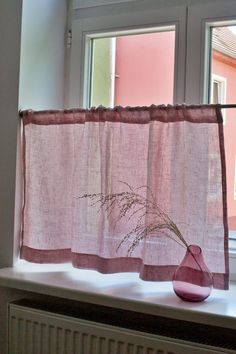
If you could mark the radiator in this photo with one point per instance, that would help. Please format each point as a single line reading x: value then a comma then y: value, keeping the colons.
x: 34, y: 331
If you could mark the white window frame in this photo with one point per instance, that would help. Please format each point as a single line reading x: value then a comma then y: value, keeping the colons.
x: 120, y: 19
x: 201, y: 18
x: 87, y: 73
x: 192, y: 20
x: 78, y: 4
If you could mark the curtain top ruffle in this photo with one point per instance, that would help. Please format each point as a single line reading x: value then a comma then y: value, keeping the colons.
x: 137, y: 115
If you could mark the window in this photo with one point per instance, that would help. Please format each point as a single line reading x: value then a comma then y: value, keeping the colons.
x: 223, y: 74
x: 116, y: 29
x: 132, y: 70
x: 195, y: 76
x: 209, y: 33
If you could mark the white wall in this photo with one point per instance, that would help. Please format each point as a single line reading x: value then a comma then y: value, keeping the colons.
x: 42, y: 54
x: 38, y: 59
x: 10, y: 29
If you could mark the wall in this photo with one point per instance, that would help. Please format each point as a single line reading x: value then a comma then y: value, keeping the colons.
x: 42, y: 54
x: 39, y: 58
x: 10, y: 29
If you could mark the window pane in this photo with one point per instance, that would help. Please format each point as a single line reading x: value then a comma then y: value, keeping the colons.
x: 223, y: 83
x: 133, y: 70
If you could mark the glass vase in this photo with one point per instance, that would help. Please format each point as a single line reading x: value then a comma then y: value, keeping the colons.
x: 192, y: 280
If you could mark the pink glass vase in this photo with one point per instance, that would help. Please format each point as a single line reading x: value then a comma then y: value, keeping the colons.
x: 192, y: 280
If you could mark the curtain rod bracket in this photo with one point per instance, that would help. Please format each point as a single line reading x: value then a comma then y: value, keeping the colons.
x: 22, y: 112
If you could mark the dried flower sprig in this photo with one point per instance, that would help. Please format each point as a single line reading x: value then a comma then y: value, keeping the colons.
x: 131, y: 203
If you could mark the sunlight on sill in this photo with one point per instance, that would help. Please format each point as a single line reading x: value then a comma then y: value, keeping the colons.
x: 27, y: 267
x: 99, y: 280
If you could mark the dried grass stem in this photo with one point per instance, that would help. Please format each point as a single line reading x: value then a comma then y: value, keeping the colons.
x: 131, y: 204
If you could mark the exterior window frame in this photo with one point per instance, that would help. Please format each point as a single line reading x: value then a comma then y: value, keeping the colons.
x: 201, y: 19
x: 221, y: 83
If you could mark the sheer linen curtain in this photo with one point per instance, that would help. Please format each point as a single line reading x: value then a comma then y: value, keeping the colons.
x: 177, y: 151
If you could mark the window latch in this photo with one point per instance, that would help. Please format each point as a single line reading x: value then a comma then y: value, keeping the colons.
x: 69, y: 39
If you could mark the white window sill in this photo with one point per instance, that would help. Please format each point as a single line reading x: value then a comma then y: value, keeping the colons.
x: 124, y: 291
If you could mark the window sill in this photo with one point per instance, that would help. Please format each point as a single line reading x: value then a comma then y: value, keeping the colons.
x: 123, y: 291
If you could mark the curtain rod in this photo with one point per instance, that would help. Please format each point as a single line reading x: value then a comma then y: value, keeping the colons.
x: 222, y: 106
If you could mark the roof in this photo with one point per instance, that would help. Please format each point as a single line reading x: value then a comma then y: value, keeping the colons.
x: 224, y: 41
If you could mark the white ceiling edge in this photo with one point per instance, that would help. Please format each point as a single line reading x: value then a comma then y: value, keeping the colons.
x: 81, y: 4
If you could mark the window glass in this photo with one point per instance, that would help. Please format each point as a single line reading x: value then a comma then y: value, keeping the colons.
x: 133, y: 70
x: 223, y: 83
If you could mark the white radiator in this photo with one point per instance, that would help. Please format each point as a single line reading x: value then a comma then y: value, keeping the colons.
x: 33, y: 331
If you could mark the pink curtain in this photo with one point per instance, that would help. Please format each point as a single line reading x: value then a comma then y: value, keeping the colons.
x: 177, y: 151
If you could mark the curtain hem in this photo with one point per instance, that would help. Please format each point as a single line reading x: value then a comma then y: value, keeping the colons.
x: 45, y: 256
x: 111, y: 265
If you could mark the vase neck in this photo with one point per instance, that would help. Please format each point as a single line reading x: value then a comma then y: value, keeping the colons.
x: 194, y: 249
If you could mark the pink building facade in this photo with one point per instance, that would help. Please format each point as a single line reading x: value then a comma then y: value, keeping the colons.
x: 146, y: 59
x: 145, y: 75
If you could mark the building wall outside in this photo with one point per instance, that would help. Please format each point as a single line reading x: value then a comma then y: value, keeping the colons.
x: 229, y: 72
x: 145, y: 69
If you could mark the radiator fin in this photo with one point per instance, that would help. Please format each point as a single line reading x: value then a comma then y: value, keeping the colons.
x: 32, y: 331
